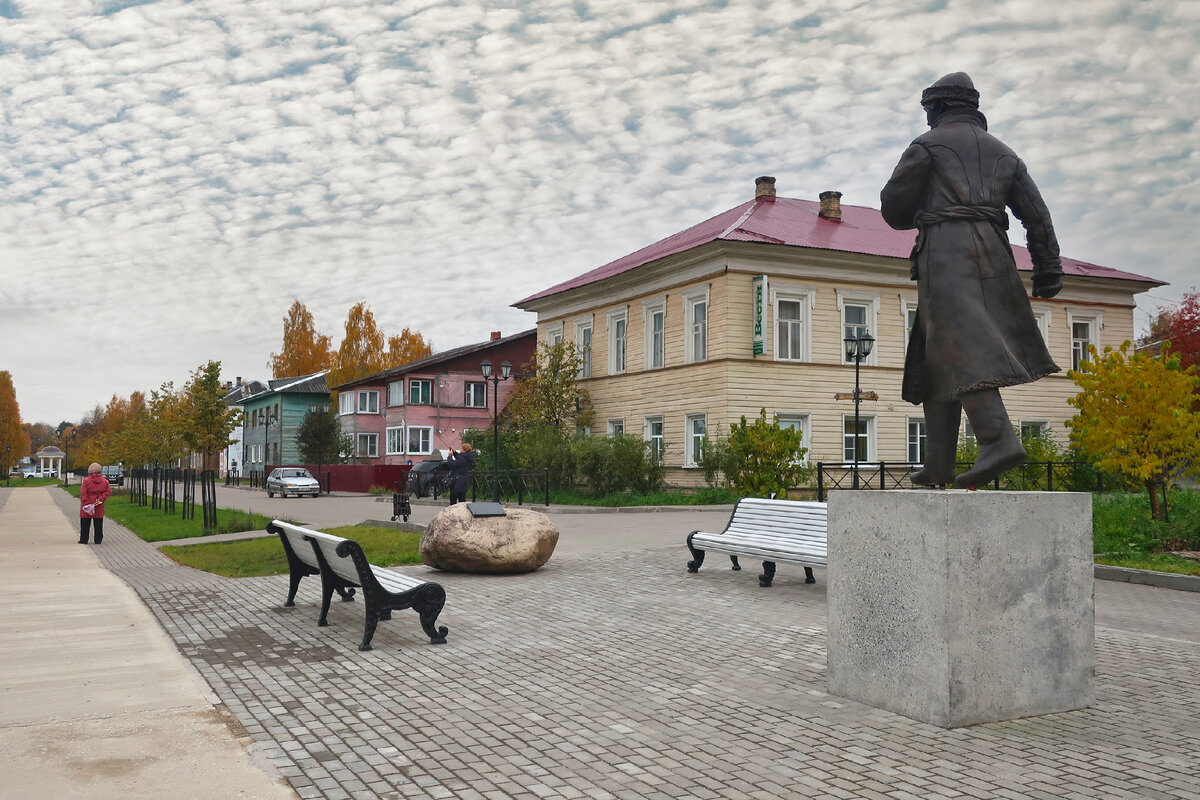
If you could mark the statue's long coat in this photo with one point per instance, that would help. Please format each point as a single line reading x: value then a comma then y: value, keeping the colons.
x: 975, y: 328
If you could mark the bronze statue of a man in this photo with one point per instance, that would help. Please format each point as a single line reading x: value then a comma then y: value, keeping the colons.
x: 975, y: 331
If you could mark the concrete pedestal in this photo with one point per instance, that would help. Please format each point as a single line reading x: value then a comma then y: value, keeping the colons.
x: 956, y: 607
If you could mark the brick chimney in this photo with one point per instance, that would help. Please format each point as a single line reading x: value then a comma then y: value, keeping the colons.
x: 495, y: 335
x: 831, y: 205
x: 764, y: 187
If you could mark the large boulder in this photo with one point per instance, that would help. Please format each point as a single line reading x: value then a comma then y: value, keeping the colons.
x: 457, y: 542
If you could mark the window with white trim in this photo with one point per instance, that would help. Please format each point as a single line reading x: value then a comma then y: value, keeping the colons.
x: 908, y: 307
x: 420, y: 391
x: 1042, y: 318
x: 395, y: 441
x: 798, y: 422
x: 346, y: 403
x: 1034, y: 429
x: 968, y: 432
x: 368, y: 445
x: 653, y: 434
x: 368, y: 401
x: 696, y: 426
x: 554, y: 334
x: 695, y: 320
x: 618, y: 324
x: 583, y: 345
x: 616, y: 427
x: 476, y: 394
x: 860, y: 312
x: 864, y: 440
x: 419, y: 440
x: 916, y: 440
x: 654, y: 318
x: 793, y: 327
x: 1083, y: 336
x: 395, y: 393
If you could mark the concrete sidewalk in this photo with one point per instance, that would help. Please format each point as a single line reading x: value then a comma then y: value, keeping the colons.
x: 95, y: 700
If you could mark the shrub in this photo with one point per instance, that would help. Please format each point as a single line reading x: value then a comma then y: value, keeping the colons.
x: 758, y: 459
x: 619, y: 463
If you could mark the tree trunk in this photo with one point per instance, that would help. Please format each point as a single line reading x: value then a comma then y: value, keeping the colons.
x: 1152, y: 489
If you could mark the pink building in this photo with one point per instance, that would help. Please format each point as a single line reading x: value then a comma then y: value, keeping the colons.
x: 419, y: 409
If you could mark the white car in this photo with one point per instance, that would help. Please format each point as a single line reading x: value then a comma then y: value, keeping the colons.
x: 292, y: 480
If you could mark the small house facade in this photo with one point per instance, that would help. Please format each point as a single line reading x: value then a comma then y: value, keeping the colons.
x: 419, y: 410
x: 271, y: 419
x: 748, y: 311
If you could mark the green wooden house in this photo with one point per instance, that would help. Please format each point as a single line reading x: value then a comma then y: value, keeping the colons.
x: 272, y: 418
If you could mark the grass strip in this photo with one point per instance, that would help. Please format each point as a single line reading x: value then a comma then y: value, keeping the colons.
x: 156, y: 525
x: 248, y: 558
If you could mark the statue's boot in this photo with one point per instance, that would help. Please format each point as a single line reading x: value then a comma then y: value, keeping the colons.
x: 999, y: 446
x: 941, y: 444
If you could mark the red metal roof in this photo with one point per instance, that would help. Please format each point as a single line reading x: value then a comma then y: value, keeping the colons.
x: 797, y: 223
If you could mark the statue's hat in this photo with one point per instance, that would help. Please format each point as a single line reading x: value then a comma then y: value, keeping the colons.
x: 956, y: 87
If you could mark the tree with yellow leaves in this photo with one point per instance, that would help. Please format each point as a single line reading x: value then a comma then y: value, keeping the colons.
x: 406, y: 348
x: 1136, y: 417
x: 14, y: 442
x: 362, y: 351
x: 304, y: 351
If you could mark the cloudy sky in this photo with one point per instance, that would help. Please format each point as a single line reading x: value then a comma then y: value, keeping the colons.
x: 174, y: 173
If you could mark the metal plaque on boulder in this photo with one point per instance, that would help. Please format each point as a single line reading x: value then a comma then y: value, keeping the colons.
x: 486, y: 510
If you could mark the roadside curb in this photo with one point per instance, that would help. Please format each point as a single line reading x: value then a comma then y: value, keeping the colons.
x: 1161, y: 580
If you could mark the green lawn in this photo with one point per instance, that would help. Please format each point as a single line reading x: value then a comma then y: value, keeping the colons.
x: 155, y: 525
x: 385, y: 547
x: 17, y: 481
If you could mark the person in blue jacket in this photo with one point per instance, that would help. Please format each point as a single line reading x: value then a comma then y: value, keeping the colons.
x: 460, y: 473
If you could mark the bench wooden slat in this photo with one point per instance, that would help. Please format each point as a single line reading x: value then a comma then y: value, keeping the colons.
x: 787, y: 531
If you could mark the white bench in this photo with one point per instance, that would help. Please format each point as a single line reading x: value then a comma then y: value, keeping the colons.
x: 787, y: 531
x: 343, y: 567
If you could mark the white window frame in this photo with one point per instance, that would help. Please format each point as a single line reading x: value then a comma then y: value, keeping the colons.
x: 922, y: 442
x: 554, y: 333
x: 371, y: 406
x: 870, y: 300
x: 618, y: 345
x: 616, y: 427
x: 397, y: 433
x: 695, y: 438
x: 692, y: 298
x: 801, y: 422
x: 1095, y: 323
x: 418, y: 450
x: 656, y: 441
x: 584, y: 325
x: 345, y: 406
x: 372, y: 448
x: 806, y: 297
x: 1042, y: 317
x: 651, y: 308
x: 968, y: 432
x: 1042, y: 425
x: 468, y: 386
x: 413, y: 383
x: 395, y: 393
x: 869, y: 420
x: 908, y: 315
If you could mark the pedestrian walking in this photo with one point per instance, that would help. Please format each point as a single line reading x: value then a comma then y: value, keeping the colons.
x: 92, y: 493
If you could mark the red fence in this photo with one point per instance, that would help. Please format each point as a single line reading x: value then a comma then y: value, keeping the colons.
x: 355, y: 477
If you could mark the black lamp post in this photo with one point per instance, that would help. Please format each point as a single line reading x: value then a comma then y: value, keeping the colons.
x: 858, y: 348
x: 8, y: 463
x: 67, y: 454
x: 505, y: 370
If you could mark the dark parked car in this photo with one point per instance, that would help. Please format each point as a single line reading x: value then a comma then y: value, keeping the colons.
x: 429, y: 477
x: 115, y: 475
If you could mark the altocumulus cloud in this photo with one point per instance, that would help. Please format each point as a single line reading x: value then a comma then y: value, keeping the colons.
x: 174, y: 173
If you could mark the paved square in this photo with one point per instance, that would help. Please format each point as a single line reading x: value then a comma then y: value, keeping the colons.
x: 619, y: 675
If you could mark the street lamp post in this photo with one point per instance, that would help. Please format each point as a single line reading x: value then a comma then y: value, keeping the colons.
x: 505, y: 370
x: 858, y: 348
x: 67, y: 454
x: 8, y: 463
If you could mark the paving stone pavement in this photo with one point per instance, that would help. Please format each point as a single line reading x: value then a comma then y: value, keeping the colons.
x: 619, y: 675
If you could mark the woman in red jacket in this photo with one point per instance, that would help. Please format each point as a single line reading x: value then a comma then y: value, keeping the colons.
x: 92, y: 494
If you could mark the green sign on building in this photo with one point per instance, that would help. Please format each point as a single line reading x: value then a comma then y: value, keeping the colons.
x: 760, y: 301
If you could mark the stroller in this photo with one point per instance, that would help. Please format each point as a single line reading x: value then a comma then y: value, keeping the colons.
x: 400, y: 504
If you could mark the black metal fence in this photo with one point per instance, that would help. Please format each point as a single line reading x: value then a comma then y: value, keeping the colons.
x: 514, y: 485
x: 1033, y: 476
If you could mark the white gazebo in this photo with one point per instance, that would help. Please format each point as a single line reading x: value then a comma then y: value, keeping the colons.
x: 50, y: 459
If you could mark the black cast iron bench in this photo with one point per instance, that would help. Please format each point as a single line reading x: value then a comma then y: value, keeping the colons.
x: 787, y: 531
x: 343, y: 568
